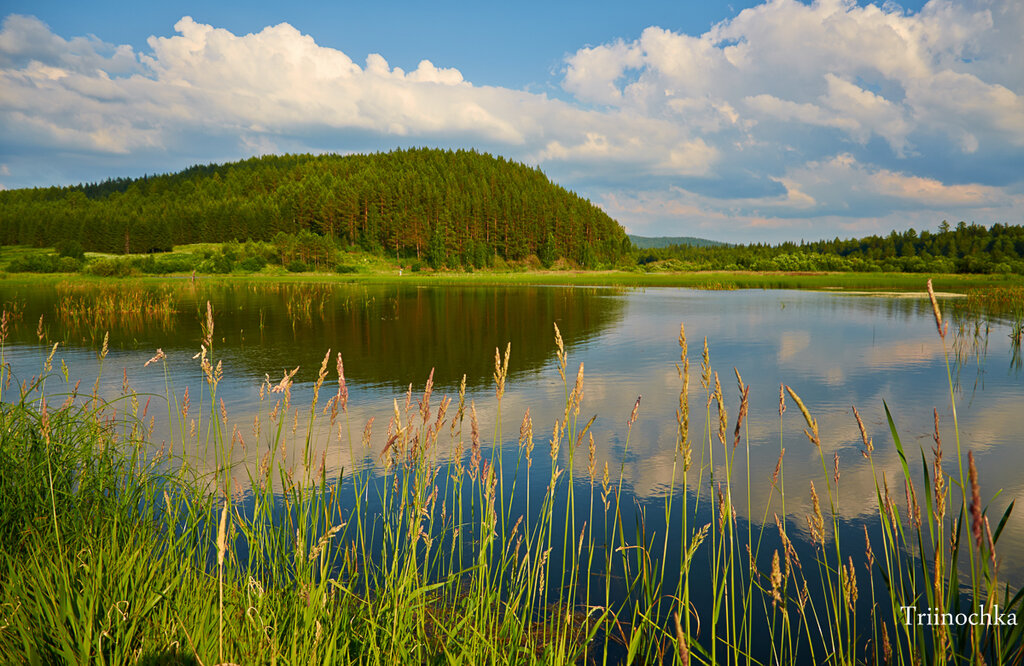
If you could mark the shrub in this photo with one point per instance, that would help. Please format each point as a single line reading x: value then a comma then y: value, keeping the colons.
x: 297, y: 266
x: 68, y: 265
x: 218, y: 263
x: 174, y: 264
x: 145, y: 264
x: 70, y: 248
x: 231, y: 250
x: 253, y: 264
x: 112, y: 267
x: 345, y: 268
x: 33, y: 263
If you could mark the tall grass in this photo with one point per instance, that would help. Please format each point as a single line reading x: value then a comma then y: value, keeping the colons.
x: 115, y: 551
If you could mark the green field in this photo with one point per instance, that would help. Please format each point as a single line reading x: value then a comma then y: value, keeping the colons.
x: 231, y: 261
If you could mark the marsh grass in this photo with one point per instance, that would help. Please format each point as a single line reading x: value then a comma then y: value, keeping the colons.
x: 1000, y: 300
x: 92, y: 308
x: 977, y: 315
x: 114, y: 551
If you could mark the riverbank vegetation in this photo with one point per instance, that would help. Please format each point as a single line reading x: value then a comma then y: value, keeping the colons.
x: 116, y: 548
x: 213, y: 263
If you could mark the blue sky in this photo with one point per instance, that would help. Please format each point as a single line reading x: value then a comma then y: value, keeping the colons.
x: 738, y: 121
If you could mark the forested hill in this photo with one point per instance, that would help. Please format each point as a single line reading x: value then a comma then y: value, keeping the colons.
x: 648, y: 242
x: 460, y: 203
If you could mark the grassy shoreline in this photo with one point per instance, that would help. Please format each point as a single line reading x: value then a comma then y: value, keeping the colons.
x: 710, y: 280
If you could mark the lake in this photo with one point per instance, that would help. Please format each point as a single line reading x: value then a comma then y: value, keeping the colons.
x: 835, y: 350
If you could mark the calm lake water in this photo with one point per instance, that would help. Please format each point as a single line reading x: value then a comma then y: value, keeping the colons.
x: 835, y: 350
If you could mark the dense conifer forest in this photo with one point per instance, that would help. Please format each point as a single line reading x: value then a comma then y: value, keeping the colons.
x: 448, y: 208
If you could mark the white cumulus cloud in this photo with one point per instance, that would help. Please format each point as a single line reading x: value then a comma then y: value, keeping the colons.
x: 789, y: 116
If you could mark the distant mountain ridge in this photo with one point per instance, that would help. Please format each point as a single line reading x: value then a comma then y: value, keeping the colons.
x: 650, y: 242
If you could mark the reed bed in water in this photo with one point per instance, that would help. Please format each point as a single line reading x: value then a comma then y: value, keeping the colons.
x: 91, y: 309
x: 1007, y: 300
x: 108, y: 554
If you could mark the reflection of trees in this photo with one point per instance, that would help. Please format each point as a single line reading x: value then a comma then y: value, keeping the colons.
x: 388, y: 335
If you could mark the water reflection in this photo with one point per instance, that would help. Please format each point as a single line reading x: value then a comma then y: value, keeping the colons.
x: 390, y: 336
x: 836, y: 351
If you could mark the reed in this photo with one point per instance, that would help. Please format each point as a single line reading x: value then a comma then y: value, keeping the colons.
x: 427, y: 561
x: 85, y: 308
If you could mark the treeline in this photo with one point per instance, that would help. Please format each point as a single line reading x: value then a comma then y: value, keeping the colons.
x: 459, y: 208
x: 965, y: 248
x: 648, y: 242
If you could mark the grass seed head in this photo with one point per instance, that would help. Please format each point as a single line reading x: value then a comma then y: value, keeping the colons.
x: 320, y: 377
x: 208, y: 327
x: 776, y: 578
x: 425, y: 402
x: 366, y: 432
x: 285, y: 385
x: 457, y: 420
x: 49, y: 359
x: 935, y: 310
x: 576, y: 397
x: 683, y: 411
x: 633, y: 415
x: 975, y: 508
x: 501, y: 370
x: 591, y: 464
x: 342, y: 398
x: 705, y: 367
x: 913, y: 509
x: 526, y: 432
x: 788, y: 551
x: 723, y: 417
x: 681, y: 645
x: 868, y: 444
x: 778, y: 468
x: 811, y: 423
x: 560, y: 353
x: 556, y: 440
x: 816, y: 522
x: 605, y: 482
x: 939, y: 476
x: 159, y: 356
x: 868, y: 550
x: 745, y: 392
x: 850, y: 585
x: 475, y: 455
